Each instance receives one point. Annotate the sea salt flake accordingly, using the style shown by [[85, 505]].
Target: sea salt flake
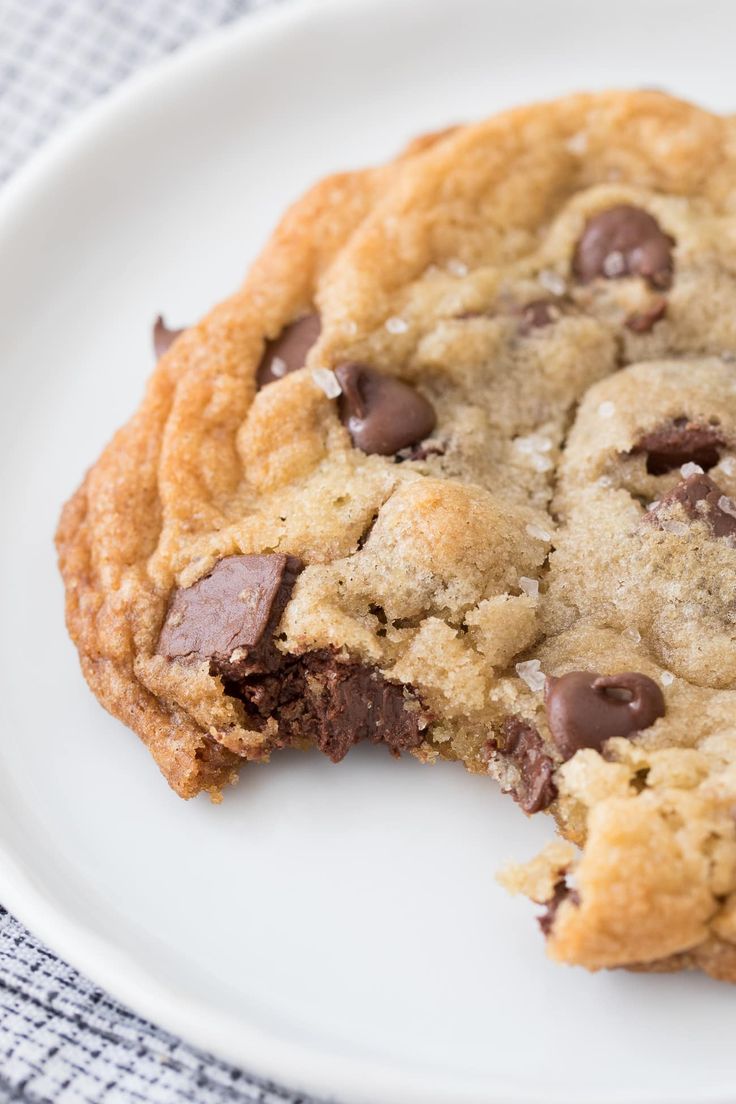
[[666, 678], [456, 267], [728, 465], [614, 264], [541, 463], [632, 634], [538, 533], [396, 325], [529, 586], [726, 504], [530, 672], [678, 528], [552, 282], [606, 410], [327, 382], [690, 469], [278, 367], [578, 143], [535, 442]]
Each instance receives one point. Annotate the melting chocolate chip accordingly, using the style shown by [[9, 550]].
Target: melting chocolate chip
[[562, 892], [382, 414], [523, 747], [163, 337], [584, 709], [680, 442], [288, 352], [538, 313], [624, 241], [332, 703], [642, 322], [700, 498], [230, 615]]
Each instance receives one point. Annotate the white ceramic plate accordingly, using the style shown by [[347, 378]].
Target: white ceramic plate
[[335, 928]]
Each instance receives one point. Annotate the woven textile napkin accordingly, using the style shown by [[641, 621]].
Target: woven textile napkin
[[61, 1038]]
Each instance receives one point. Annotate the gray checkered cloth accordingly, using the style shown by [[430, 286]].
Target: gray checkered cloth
[[61, 1038]]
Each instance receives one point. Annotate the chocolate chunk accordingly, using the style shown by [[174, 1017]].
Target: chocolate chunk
[[538, 313], [382, 414], [332, 703], [562, 892], [700, 498], [522, 746], [288, 352], [624, 241], [230, 615], [584, 709], [163, 337], [641, 322], [680, 442]]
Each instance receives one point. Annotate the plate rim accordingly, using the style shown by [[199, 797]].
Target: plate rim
[[264, 1055]]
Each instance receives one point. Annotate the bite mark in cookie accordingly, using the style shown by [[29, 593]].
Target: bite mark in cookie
[[382, 414], [700, 499], [288, 352], [624, 241], [679, 442], [584, 709]]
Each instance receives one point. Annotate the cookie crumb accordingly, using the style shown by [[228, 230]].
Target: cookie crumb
[[690, 469], [666, 678]]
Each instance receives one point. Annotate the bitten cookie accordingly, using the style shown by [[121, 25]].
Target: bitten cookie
[[455, 472]]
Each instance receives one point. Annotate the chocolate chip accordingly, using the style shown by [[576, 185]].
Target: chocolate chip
[[522, 746], [320, 699], [679, 442], [642, 322], [562, 892], [382, 414], [420, 452], [163, 337], [230, 615], [538, 313], [624, 241], [701, 499], [288, 352], [584, 709]]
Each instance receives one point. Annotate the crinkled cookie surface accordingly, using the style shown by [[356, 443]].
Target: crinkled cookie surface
[[455, 471]]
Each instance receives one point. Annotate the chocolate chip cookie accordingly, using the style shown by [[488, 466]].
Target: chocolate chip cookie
[[455, 472]]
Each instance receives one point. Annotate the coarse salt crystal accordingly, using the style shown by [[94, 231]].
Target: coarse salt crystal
[[396, 325], [690, 469], [728, 465], [666, 678], [606, 410], [632, 634], [614, 264], [552, 282], [726, 504], [327, 382], [678, 528], [541, 463], [456, 268], [530, 672], [538, 532], [278, 367], [529, 586]]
